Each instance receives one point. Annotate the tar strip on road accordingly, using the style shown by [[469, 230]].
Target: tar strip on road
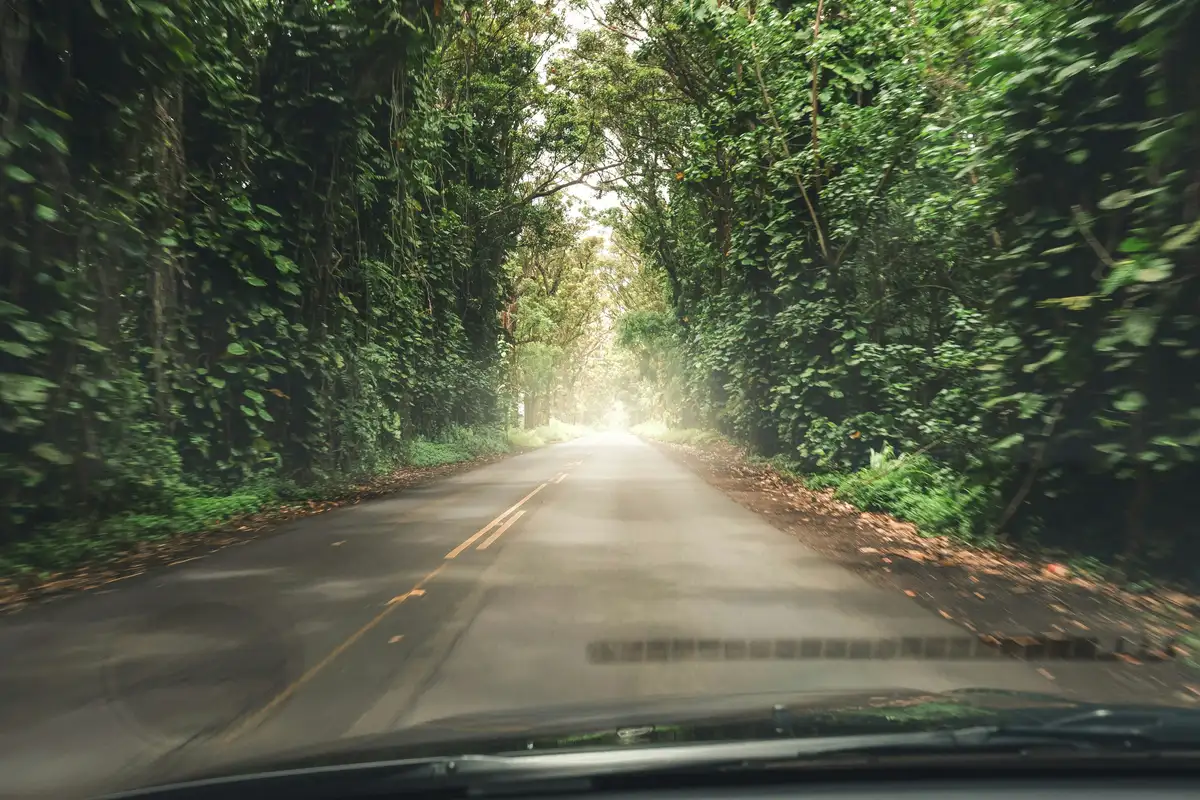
[[946, 648]]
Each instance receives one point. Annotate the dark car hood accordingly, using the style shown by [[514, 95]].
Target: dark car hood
[[675, 719]]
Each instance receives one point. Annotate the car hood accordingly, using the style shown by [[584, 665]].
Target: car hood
[[660, 721]]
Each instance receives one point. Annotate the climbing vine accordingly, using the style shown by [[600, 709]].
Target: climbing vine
[[249, 241], [962, 231]]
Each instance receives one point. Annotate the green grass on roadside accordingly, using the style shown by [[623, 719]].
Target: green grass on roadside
[[916, 489], [70, 544], [457, 444], [696, 437], [552, 433]]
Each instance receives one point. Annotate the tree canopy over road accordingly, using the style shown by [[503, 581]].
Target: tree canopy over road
[[940, 254]]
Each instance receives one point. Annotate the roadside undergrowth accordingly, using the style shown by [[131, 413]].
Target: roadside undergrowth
[[552, 433], [192, 514], [983, 584], [697, 437], [914, 488], [909, 488]]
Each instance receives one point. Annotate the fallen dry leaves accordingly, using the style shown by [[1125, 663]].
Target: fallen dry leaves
[[1020, 591]]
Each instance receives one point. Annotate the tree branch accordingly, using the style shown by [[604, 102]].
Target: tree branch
[[816, 79], [812, 212]]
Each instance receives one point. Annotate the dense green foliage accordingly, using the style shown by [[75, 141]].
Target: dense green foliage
[[249, 242], [967, 230], [941, 252]]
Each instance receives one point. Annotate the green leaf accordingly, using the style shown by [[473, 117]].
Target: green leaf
[[1123, 274], [1139, 326], [1009, 441], [291, 287], [262, 414], [91, 344], [1181, 237], [254, 280], [52, 138], [1054, 355], [157, 9], [16, 349], [30, 331], [17, 174], [45, 213], [248, 411], [1073, 69], [235, 349], [1117, 200], [24, 389], [1151, 141], [255, 396], [51, 453], [1053, 251], [1078, 303], [1130, 401], [1134, 244], [1154, 274]]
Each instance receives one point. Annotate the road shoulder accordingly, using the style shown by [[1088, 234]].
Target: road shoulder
[[983, 591], [150, 556]]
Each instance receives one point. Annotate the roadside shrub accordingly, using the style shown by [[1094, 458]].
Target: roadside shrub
[[696, 437], [918, 490]]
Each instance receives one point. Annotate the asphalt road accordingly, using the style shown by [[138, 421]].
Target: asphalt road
[[416, 607]]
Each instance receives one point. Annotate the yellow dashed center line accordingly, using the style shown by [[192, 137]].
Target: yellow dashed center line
[[280, 698], [400, 598], [475, 536], [416, 591], [501, 530]]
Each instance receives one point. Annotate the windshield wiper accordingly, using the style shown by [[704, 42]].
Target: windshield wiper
[[1151, 728], [1099, 732]]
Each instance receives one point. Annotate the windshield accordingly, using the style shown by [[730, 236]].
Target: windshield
[[383, 379]]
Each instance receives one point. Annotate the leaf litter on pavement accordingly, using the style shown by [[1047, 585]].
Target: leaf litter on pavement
[[985, 590]]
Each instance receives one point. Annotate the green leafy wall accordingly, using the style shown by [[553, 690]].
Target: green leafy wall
[[240, 238]]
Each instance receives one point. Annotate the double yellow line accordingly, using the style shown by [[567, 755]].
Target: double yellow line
[[257, 717], [475, 536], [504, 521]]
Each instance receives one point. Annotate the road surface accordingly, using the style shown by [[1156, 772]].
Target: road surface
[[481, 592]]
